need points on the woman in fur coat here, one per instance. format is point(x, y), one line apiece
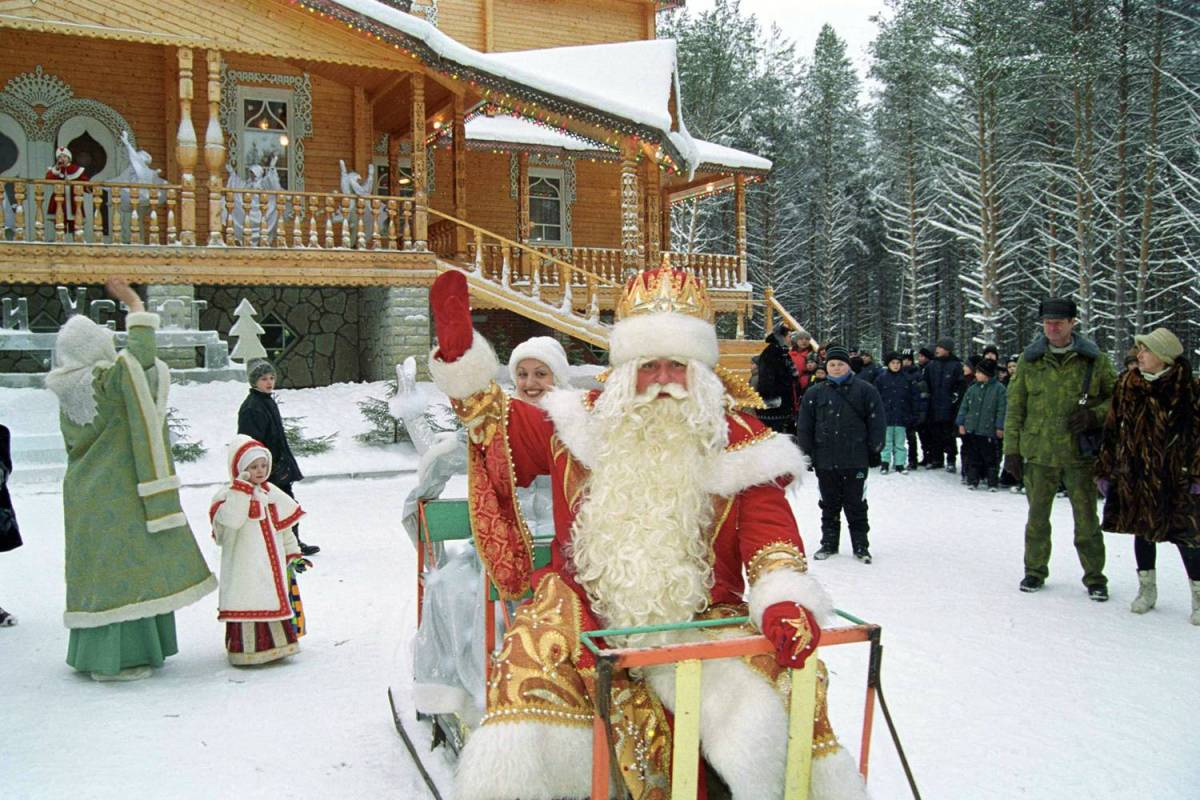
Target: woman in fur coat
point(253, 525)
point(1149, 464)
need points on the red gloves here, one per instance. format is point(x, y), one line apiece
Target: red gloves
point(794, 632)
point(451, 307)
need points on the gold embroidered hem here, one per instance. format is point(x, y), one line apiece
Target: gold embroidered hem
point(543, 674)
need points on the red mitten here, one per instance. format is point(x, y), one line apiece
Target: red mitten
point(794, 632)
point(451, 307)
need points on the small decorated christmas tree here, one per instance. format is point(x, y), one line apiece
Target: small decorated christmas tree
point(247, 331)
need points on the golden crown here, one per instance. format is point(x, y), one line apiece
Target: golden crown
point(665, 289)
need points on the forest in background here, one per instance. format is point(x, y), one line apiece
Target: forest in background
point(1004, 151)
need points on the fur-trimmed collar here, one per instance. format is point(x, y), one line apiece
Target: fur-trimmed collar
point(762, 457)
point(1079, 344)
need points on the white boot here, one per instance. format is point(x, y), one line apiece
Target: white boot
point(1195, 602)
point(1147, 592)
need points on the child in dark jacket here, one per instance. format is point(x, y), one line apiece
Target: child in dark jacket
point(904, 406)
point(981, 424)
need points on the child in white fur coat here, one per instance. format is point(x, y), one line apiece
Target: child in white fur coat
point(253, 525)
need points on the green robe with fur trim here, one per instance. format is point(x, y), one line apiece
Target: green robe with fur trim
point(129, 551)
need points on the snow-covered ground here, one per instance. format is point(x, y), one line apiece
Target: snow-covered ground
point(996, 694)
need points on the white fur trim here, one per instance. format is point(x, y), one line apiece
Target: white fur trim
point(470, 374)
point(835, 776)
point(150, 488)
point(743, 725)
point(572, 421)
point(438, 698)
point(529, 760)
point(146, 608)
point(782, 586)
point(176, 520)
point(546, 350)
point(147, 318)
point(764, 461)
point(663, 335)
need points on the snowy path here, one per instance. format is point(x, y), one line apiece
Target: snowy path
point(997, 694)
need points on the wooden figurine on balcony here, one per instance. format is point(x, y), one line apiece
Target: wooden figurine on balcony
point(64, 169)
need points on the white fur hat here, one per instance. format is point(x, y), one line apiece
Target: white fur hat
point(546, 350)
point(62, 151)
point(243, 451)
point(665, 334)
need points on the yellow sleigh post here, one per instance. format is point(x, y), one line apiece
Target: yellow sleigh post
point(688, 660)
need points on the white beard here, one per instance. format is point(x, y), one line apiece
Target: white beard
point(640, 540)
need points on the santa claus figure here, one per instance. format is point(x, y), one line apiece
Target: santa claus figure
point(665, 496)
point(64, 169)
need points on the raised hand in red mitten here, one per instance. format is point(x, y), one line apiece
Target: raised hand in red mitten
point(794, 632)
point(451, 307)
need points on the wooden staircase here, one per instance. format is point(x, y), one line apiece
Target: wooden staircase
point(557, 303)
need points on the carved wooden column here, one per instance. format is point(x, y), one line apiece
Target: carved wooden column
point(632, 248)
point(214, 148)
point(459, 144)
point(524, 223)
point(187, 151)
point(739, 222)
point(420, 171)
point(651, 224)
point(664, 218)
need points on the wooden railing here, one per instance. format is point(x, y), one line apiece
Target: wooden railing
point(80, 212)
point(718, 271)
point(328, 220)
point(523, 268)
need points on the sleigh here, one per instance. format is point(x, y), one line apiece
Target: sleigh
point(443, 521)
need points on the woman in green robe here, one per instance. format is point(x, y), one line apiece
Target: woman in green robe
point(131, 559)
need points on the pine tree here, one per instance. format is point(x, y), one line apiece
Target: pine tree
point(385, 429)
point(248, 346)
point(182, 450)
point(832, 154)
point(303, 445)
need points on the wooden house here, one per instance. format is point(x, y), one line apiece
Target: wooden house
point(327, 159)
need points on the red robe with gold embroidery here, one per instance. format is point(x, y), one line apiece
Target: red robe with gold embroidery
point(516, 442)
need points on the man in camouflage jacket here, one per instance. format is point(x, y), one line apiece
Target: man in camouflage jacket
point(1041, 430)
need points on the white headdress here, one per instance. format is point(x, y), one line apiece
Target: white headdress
point(80, 348)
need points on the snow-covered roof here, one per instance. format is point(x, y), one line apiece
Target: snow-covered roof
point(719, 155)
point(625, 80)
point(509, 129)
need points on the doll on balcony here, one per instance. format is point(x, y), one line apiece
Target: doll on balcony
point(64, 169)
